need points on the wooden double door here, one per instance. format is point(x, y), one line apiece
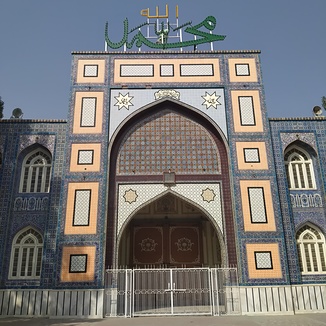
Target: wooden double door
point(167, 245)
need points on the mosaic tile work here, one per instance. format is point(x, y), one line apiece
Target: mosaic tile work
point(168, 141)
point(82, 207)
point(263, 260)
point(309, 132)
point(246, 111)
point(251, 155)
point(257, 205)
point(193, 97)
point(88, 112)
point(90, 70)
point(242, 69)
point(196, 70)
point(148, 192)
point(78, 263)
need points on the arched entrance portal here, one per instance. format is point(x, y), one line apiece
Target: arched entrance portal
point(170, 232)
point(190, 219)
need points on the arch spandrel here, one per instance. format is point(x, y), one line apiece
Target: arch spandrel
point(206, 196)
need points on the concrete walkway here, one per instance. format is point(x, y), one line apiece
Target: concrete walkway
point(318, 319)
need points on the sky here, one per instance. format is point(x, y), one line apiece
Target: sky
point(38, 36)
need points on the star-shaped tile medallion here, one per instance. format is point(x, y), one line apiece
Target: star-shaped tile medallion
point(211, 100)
point(123, 101)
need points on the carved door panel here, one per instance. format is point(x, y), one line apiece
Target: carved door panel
point(166, 245)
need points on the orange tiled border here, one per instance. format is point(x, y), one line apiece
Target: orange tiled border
point(89, 275)
point(252, 68)
point(242, 165)
point(276, 272)
point(91, 228)
point(163, 79)
point(77, 129)
point(257, 111)
point(258, 227)
point(95, 167)
point(90, 80)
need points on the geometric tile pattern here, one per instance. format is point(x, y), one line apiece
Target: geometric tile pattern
point(242, 69)
point(190, 191)
point(263, 260)
point(85, 156)
point(136, 70)
point(168, 141)
point(90, 70)
point(166, 70)
point(251, 155)
point(88, 112)
point(82, 207)
point(246, 111)
point(78, 264)
point(196, 70)
point(187, 96)
point(257, 205)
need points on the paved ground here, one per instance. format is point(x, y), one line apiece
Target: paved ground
point(292, 320)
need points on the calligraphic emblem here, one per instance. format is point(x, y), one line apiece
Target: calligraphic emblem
point(163, 31)
point(211, 100)
point(162, 93)
point(123, 101)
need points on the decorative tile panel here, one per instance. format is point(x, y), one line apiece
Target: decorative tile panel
point(88, 112)
point(247, 115)
point(90, 70)
point(78, 264)
point(263, 260)
point(196, 70)
point(149, 192)
point(168, 141)
point(257, 205)
point(85, 157)
point(82, 207)
point(242, 69)
point(136, 70)
point(251, 155)
point(167, 70)
point(209, 102)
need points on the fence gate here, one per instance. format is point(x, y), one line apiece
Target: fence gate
point(175, 291)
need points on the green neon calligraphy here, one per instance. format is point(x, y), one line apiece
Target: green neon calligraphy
point(139, 39)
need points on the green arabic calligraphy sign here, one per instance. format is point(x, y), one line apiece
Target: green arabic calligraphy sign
point(200, 36)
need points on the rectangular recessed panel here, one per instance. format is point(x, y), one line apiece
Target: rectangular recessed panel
point(78, 264)
point(251, 155)
point(90, 70)
point(88, 112)
point(82, 207)
point(247, 115)
point(257, 205)
point(85, 157)
point(136, 70)
point(197, 70)
point(166, 70)
point(263, 260)
point(242, 69)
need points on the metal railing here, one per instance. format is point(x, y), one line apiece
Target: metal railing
point(171, 291)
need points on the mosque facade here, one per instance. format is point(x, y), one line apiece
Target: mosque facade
point(167, 163)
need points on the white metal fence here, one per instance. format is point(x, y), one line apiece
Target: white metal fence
point(171, 291)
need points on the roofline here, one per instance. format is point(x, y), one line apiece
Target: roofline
point(169, 52)
point(32, 121)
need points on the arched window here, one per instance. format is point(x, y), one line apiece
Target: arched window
point(311, 250)
point(26, 255)
point(299, 169)
point(36, 172)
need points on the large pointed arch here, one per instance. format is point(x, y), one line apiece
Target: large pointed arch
point(222, 177)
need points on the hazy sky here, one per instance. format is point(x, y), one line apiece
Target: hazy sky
point(38, 36)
